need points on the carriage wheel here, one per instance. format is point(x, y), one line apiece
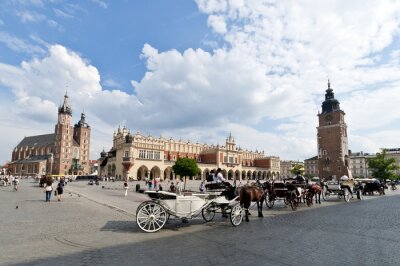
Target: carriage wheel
point(208, 213)
point(151, 216)
point(346, 195)
point(294, 202)
point(236, 215)
point(359, 194)
point(325, 193)
point(269, 201)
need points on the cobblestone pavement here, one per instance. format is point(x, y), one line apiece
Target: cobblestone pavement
point(80, 231)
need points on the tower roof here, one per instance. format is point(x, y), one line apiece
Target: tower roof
point(330, 104)
point(65, 108)
point(82, 122)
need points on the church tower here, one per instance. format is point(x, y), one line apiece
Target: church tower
point(82, 145)
point(63, 139)
point(333, 151)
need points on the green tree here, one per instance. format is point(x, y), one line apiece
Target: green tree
point(382, 167)
point(186, 167)
point(297, 169)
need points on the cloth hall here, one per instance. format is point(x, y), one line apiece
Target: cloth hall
point(135, 157)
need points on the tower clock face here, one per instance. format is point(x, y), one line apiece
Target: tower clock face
point(328, 118)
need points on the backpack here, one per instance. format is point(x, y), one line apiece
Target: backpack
point(210, 178)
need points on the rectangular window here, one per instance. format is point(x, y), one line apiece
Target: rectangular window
point(150, 155)
point(225, 159)
point(142, 154)
point(230, 159)
point(126, 154)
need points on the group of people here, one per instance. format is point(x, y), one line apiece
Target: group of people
point(153, 183)
point(58, 191)
point(176, 188)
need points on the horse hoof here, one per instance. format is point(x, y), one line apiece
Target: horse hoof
point(247, 220)
point(261, 216)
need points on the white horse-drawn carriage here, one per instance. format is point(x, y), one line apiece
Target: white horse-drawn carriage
point(152, 215)
point(345, 187)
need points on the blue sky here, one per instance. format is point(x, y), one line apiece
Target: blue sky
point(197, 70)
point(108, 34)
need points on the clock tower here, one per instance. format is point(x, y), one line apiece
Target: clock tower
point(333, 151)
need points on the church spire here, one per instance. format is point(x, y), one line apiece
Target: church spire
point(65, 108)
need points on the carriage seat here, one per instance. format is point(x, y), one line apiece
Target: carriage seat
point(217, 186)
point(280, 186)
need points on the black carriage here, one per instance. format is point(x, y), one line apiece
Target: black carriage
point(279, 190)
point(369, 186)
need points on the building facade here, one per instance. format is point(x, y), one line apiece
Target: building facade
point(286, 168)
point(333, 154)
point(394, 153)
point(311, 166)
point(64, 152)
point(359, 164)
point(137, 157)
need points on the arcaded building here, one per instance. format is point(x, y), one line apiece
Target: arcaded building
point(135, 156)
point(64, 152)
point(333, 151)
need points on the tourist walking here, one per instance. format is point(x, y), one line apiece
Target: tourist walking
point(15, 183)
point(48, 188)
point(155, 184)
point(126, 187)
point(60, 190)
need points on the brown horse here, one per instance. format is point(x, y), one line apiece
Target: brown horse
point(315, 190)
point(250, 194)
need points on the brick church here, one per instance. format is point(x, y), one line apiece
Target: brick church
point(64, 152)
point(333, 151)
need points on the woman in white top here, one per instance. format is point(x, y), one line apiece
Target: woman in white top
point(219, 178)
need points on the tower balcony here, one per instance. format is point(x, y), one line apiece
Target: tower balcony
point(128, 162)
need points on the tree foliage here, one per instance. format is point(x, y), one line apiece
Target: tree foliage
point(186, 167)
point(297, 169)
point(382, 167)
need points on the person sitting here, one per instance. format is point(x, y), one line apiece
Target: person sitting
point(172, 187)
point(219, 178)
point(202, 187)
point(211, 176)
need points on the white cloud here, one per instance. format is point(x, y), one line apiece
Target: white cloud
point(30, 16)
point(100, 3)
point(19, 45)
point(272, 67)
point(217, 23)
